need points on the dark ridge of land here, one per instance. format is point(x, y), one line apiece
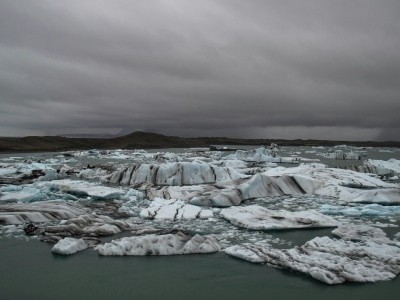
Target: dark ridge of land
point(146, 140)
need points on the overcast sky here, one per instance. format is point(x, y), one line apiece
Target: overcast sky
point(256, 68)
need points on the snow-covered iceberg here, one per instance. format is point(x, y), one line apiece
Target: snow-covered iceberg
point(329, 260)
point(173, 209)
point(260, 218)
point(39, 212)
point(83, 188)
point(340, 154)
point(14, 193)
point(361, 233)
point(94, 225)
point(390, 167)
point(180, 173)
point(347, 185)
point(68, 246)
point(311, 179)
point(261, 154)
point(168, 244)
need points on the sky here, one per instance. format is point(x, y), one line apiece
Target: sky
point(289, 69)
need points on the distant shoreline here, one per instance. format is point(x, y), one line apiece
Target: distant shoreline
point(145, 140)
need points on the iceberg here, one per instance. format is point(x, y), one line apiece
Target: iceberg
point(385, 168)
point(361, 233)
point(68, 246)
point(311, 179)
point(39, 212)
point(261, 154)
point(94, 225)
point(83, 188)
point(181, 173)
point(173, 209)
point(168, 244)
point(256, 217)
point(23, 194)
point(329, 260)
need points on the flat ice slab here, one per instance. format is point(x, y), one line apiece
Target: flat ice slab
point(362, 210)
point(174, 210)
point(39, 212)
point(328, 260)
point(361, 233)
point(260, 218)
point(91, 225)
point(168, 244)
point(85, 188)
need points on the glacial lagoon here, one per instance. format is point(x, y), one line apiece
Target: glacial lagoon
point(192, 204)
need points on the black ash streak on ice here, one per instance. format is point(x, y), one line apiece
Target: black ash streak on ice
point(201, 68)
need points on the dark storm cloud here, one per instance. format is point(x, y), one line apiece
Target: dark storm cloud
point(307, 69)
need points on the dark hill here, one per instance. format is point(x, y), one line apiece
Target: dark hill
point(148, 140)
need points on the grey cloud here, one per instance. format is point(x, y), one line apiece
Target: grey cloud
point(202, 67)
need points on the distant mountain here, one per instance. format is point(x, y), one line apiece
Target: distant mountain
point(89, 136)
point(148, 140)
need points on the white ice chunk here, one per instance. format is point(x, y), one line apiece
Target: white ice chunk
point(174, 210)
point(363, 233)
point(390, 167)
point(40, 212)
point(259, 218)
point(261, 154)
point(328, 260)
point(68, 246)
point(168, 244)
point(84, 188)
point(24, 194)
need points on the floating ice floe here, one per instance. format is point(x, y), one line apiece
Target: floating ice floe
point(382, 196)
point(93, 225)
point(234, 163)
point(182, 173)
point(39, 212)
point(68, 246)
point(329, 260)
point(311, 179)
point(261, 154)
point(94, 173)
point(168, 244)
point(363, 210)
point(21, 193)
point(259, 218)
point(174, 210)
point(361, 233)
point(7, 169)
point(347, 185)
point(340, 154)
point(229, 193)
point(83, 188)
point(28, 167)
point(390, 167)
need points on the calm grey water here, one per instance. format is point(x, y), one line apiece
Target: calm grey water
point(30, 271)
